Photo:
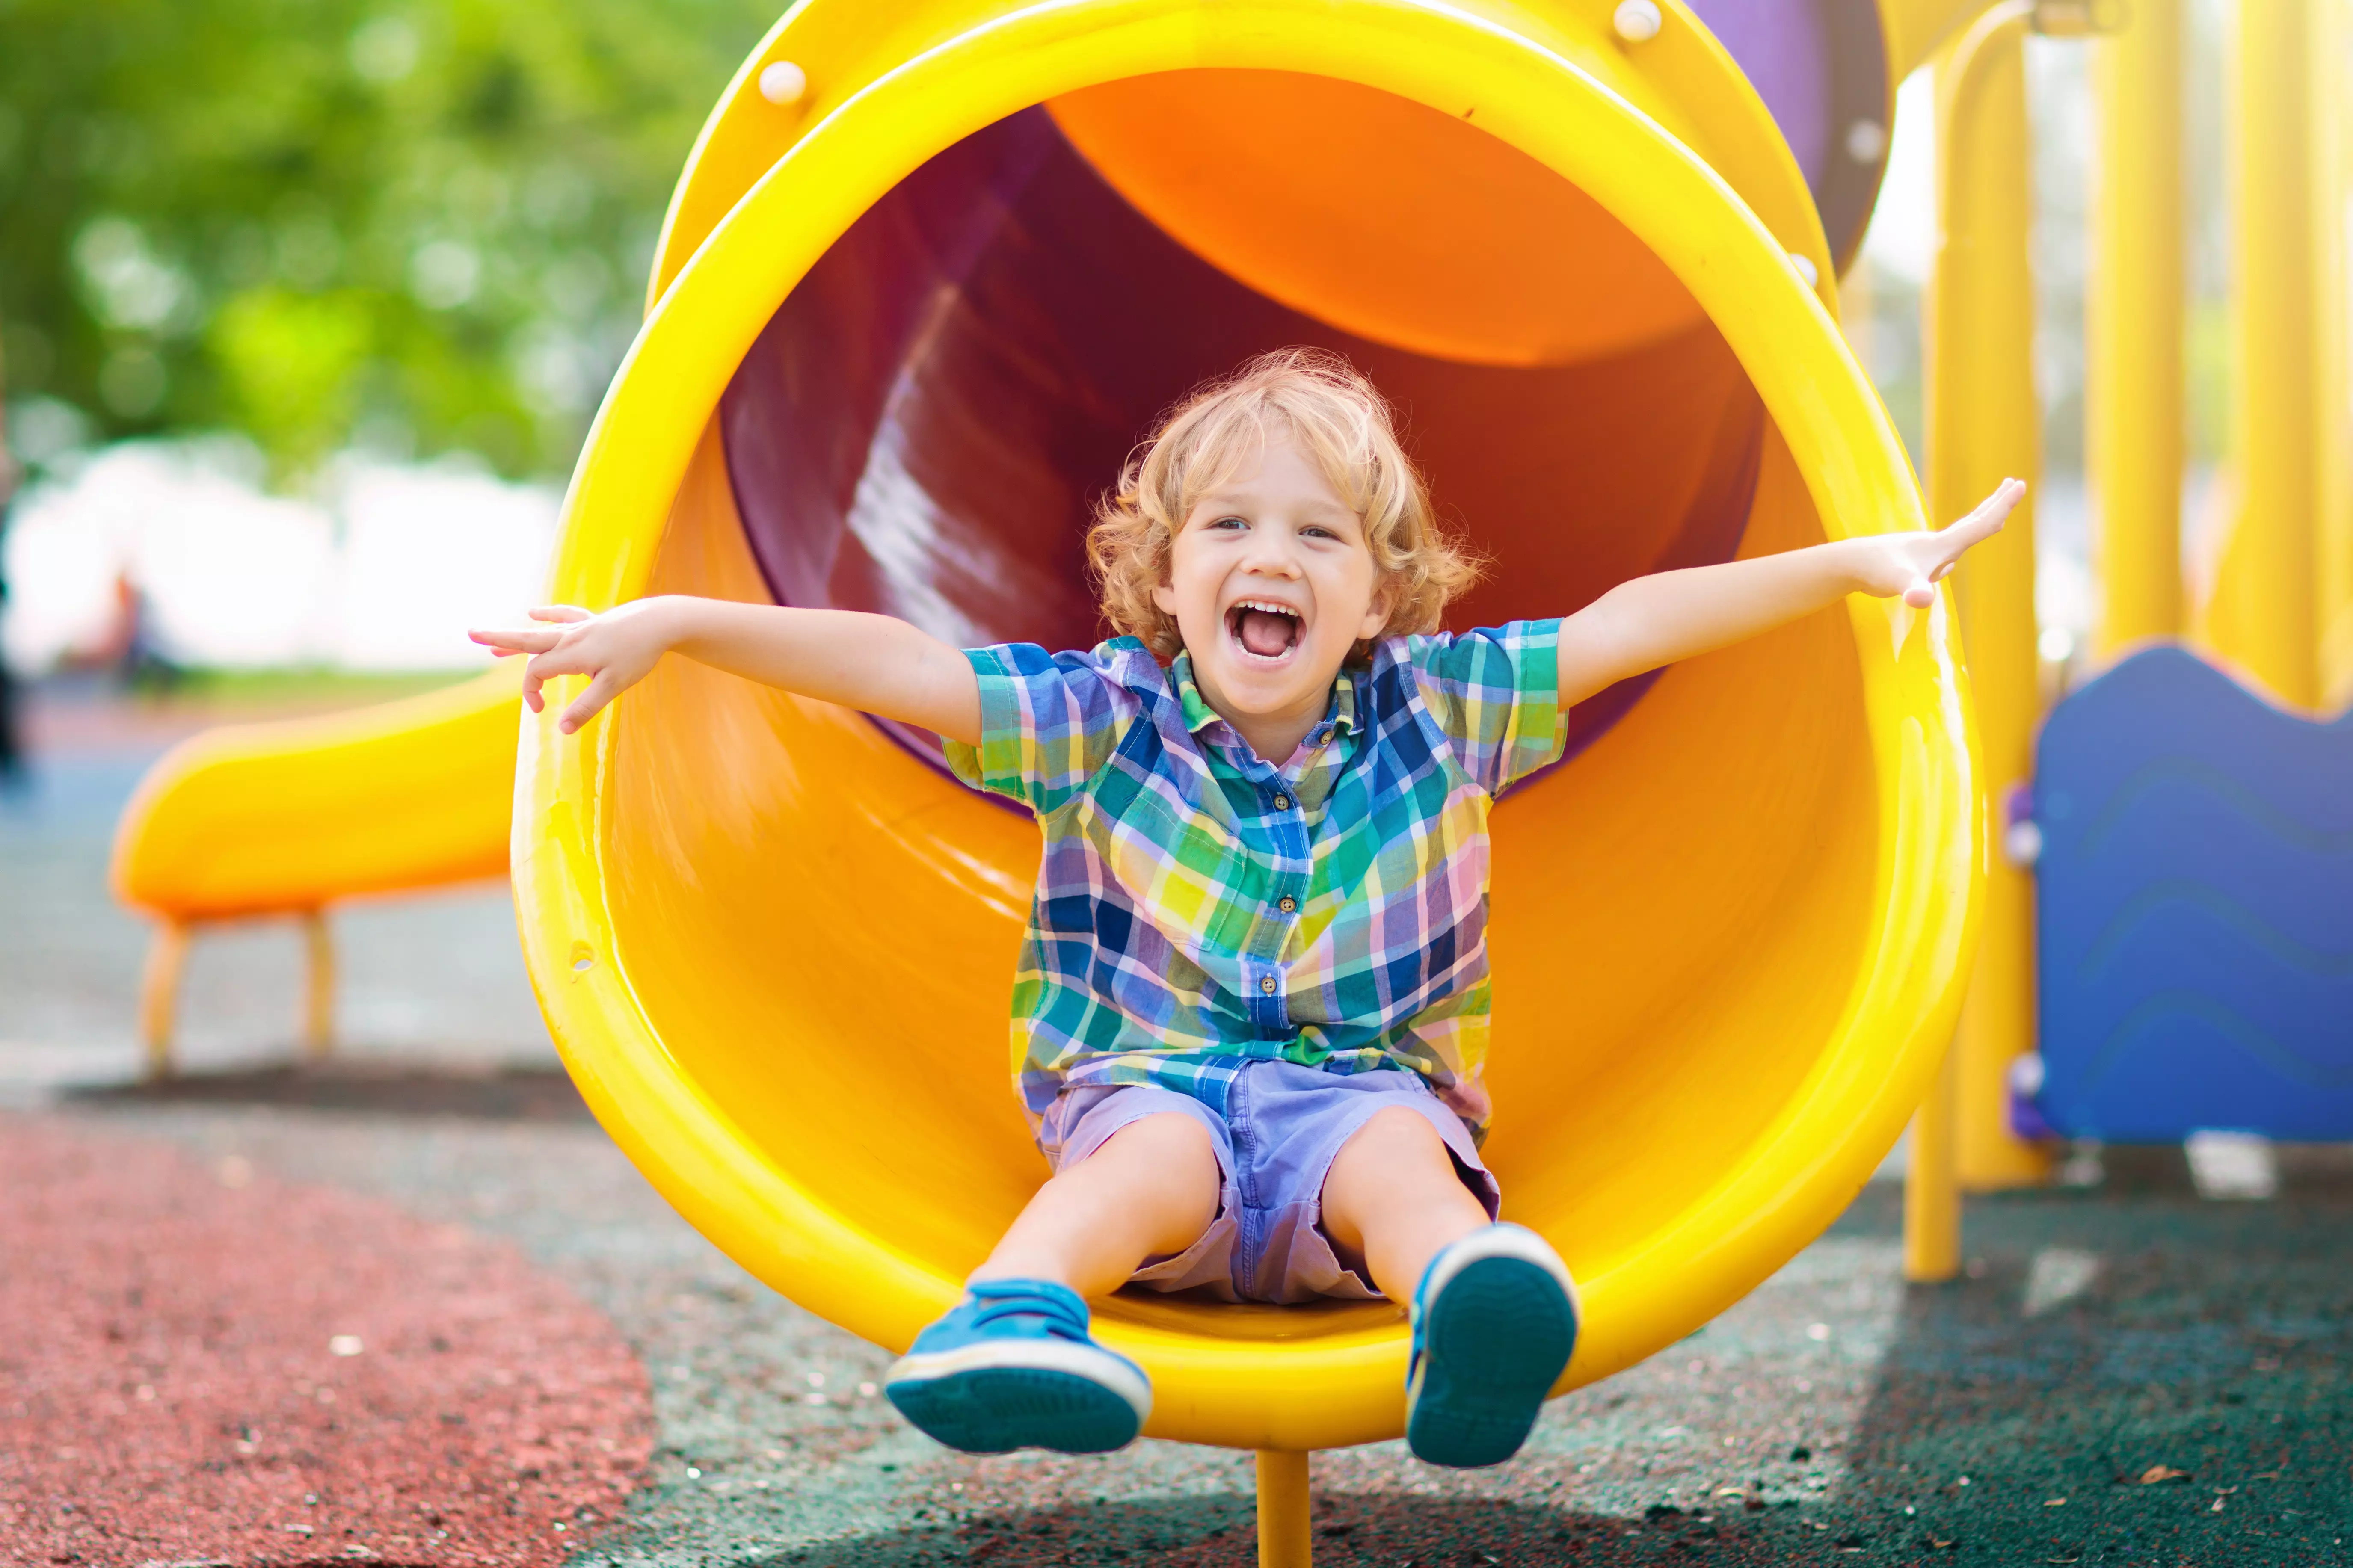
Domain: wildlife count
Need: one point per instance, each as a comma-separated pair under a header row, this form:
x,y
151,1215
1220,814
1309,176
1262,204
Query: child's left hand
x,y
1911,564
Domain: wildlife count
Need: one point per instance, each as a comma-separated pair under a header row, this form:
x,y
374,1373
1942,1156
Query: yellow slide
x,y
931,270
262,819
284,817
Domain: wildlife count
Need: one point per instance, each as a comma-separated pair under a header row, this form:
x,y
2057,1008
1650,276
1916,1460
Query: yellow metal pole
x,y
2263,614
2332,373
2133,319
1932,1191
1912,29
1983,426
1283,1538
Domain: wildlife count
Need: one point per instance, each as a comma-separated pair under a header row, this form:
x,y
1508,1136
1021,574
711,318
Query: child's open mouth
x,y
1265,630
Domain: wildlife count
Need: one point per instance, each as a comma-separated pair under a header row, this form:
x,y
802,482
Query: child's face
x,y
1271,583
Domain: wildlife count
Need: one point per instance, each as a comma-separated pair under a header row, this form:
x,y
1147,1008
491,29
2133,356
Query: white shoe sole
x,y
1097,1366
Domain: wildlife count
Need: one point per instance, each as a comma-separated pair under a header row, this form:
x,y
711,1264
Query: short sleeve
x,y
1495,695
1048,722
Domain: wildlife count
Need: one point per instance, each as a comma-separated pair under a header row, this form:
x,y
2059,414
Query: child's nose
x,y
1271,556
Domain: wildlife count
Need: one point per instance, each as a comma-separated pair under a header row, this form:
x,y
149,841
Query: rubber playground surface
x,y
415,1310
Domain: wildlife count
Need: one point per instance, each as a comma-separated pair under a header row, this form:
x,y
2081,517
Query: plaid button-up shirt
x,y
1197,907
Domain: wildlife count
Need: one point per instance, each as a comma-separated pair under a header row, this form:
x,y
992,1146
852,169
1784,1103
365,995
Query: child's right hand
x,y
615,650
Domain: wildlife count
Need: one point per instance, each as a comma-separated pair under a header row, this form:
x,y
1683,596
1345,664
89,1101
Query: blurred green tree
x,y
415,226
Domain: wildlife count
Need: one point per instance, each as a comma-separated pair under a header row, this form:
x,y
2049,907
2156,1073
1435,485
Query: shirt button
x,y
1282,803
1288,905
1266,985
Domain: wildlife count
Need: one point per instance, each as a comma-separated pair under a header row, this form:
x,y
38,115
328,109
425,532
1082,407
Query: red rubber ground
x,y
172,1390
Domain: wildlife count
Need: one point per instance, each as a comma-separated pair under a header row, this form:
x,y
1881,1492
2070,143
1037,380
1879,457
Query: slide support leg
x,y
1283,1540
1932,1181
319,985
159,995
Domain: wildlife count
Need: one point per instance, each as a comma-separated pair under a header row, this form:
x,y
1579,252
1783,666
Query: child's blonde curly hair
x,y
1345,424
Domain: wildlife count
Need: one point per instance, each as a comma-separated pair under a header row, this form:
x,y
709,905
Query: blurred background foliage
x,y
406,228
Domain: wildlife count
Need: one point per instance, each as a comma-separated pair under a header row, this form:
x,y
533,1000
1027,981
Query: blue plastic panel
x,y
2196,910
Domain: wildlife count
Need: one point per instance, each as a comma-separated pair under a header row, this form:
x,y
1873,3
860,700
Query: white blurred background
x,y
379,568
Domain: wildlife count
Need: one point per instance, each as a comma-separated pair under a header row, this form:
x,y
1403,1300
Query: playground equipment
x,y
2133,329
270,820
2279,614
2263,615
2165,921
1982,424
2197,854
2195,874
927,275
904,322
263,824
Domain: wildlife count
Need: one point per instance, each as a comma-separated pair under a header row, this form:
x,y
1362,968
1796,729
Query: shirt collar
x,y
1341,715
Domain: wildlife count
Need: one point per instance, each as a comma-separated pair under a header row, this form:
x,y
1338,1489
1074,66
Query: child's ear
x,y
1165,598
1376,613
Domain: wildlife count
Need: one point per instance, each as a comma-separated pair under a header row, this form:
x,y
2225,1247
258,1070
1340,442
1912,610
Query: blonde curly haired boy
x,y
1252,1010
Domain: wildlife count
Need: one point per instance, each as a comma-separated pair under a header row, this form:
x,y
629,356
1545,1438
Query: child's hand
x,y
1911,565
615,650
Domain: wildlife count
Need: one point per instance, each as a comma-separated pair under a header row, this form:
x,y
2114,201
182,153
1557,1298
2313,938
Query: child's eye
x,y
1231,523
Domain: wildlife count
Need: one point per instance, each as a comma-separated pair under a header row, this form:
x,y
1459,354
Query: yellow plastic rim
x,y
1344,1387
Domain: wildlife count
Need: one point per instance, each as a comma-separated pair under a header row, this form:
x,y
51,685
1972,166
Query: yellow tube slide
x,y
421,800
905,324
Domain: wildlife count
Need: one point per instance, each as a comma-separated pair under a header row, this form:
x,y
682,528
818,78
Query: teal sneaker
x,y
1494,1319
1013,1367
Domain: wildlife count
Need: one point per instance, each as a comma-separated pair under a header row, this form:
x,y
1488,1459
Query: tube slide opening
x,y
926,423
822,926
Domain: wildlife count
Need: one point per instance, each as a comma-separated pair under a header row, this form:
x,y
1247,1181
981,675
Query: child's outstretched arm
x,y
1650,621
875,663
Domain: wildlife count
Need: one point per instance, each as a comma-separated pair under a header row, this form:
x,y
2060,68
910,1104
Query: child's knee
x,y
1396,1155
1397,1132
1168,1141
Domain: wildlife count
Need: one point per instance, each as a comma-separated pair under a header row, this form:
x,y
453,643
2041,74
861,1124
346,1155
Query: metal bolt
x,y
1637,21
783,82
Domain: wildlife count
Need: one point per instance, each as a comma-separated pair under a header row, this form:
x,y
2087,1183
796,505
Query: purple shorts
x,y
1283,1126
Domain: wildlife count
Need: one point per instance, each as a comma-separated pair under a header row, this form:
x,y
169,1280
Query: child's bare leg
x,y
1013,1365
1150,1190
1393,1199
1494,1323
